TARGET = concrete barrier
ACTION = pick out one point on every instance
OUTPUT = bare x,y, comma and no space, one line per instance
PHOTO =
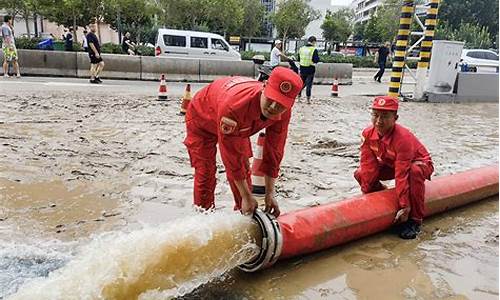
116,66
477,87
327,72
76,64
213,69
471,87
180,69
52,63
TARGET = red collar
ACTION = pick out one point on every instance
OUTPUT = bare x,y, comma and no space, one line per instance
386,139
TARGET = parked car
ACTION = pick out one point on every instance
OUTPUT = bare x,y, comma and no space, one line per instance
479,60
193,44
333,53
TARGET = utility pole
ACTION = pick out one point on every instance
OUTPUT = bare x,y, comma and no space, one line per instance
401,44
425,49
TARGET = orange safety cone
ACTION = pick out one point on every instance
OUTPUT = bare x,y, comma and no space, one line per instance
186,98
335,88
258,181
162,91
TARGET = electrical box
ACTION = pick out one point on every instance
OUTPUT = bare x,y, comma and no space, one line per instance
444,66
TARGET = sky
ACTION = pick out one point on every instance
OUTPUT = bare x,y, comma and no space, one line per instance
341,2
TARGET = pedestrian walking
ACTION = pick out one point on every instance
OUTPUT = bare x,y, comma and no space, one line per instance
94,49
308,58
381,60
9,47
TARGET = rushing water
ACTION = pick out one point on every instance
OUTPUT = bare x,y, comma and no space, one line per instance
158,262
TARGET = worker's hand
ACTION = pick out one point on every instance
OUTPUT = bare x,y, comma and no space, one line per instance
271,205
402,215
248,205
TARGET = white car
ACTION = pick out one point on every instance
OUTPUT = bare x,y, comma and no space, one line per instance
480,60
193,44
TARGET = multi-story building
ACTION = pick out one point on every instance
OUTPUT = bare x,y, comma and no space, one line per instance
363,9
268,28
314,28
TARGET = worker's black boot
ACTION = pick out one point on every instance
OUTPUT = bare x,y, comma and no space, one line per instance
409,230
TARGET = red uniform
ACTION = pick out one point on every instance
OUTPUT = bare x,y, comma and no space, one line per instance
397,155
227,112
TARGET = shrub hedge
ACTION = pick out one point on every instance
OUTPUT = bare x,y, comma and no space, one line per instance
356,61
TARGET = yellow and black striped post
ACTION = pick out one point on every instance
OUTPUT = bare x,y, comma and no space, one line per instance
426,47
401,44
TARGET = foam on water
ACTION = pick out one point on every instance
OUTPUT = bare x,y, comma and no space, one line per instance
21,261
158,262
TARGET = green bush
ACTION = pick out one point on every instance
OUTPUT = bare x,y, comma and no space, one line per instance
27,43
356,61
111,48
145,51
77,47
247,55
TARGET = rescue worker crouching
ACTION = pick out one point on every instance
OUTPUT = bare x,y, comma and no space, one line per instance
390,151
227,112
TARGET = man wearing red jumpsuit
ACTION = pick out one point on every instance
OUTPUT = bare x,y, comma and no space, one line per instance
227,112
390,151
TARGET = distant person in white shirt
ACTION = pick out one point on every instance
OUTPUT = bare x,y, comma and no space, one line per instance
276,54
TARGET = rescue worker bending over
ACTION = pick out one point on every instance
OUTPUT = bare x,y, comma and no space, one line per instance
227,112
390,151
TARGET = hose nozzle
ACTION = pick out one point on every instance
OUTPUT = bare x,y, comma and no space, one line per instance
272,242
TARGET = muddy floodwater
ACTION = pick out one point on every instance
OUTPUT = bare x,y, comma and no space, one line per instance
76,166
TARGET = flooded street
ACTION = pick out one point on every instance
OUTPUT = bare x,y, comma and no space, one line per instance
79,164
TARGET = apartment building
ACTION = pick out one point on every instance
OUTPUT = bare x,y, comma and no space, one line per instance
363,9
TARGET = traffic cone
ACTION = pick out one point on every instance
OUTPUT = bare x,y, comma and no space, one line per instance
162,91
335,88
186,98
258,181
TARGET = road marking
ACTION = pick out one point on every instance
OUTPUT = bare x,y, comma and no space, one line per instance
55,83
74,84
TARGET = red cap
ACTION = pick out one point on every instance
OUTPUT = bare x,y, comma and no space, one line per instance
385,103
283,86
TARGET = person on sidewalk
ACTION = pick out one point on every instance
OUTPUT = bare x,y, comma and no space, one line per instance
226,113
96,62
308,58
9,47
85,45
390,151
128,46
68,40
381,59
277,54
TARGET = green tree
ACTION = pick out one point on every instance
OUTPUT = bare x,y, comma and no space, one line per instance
358,31
25,8
71,12
253,17
372,32
225,16
384,23
337,25
483,13
222,16
292,17
473,35
135,16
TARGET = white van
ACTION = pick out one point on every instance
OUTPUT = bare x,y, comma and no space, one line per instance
193,44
